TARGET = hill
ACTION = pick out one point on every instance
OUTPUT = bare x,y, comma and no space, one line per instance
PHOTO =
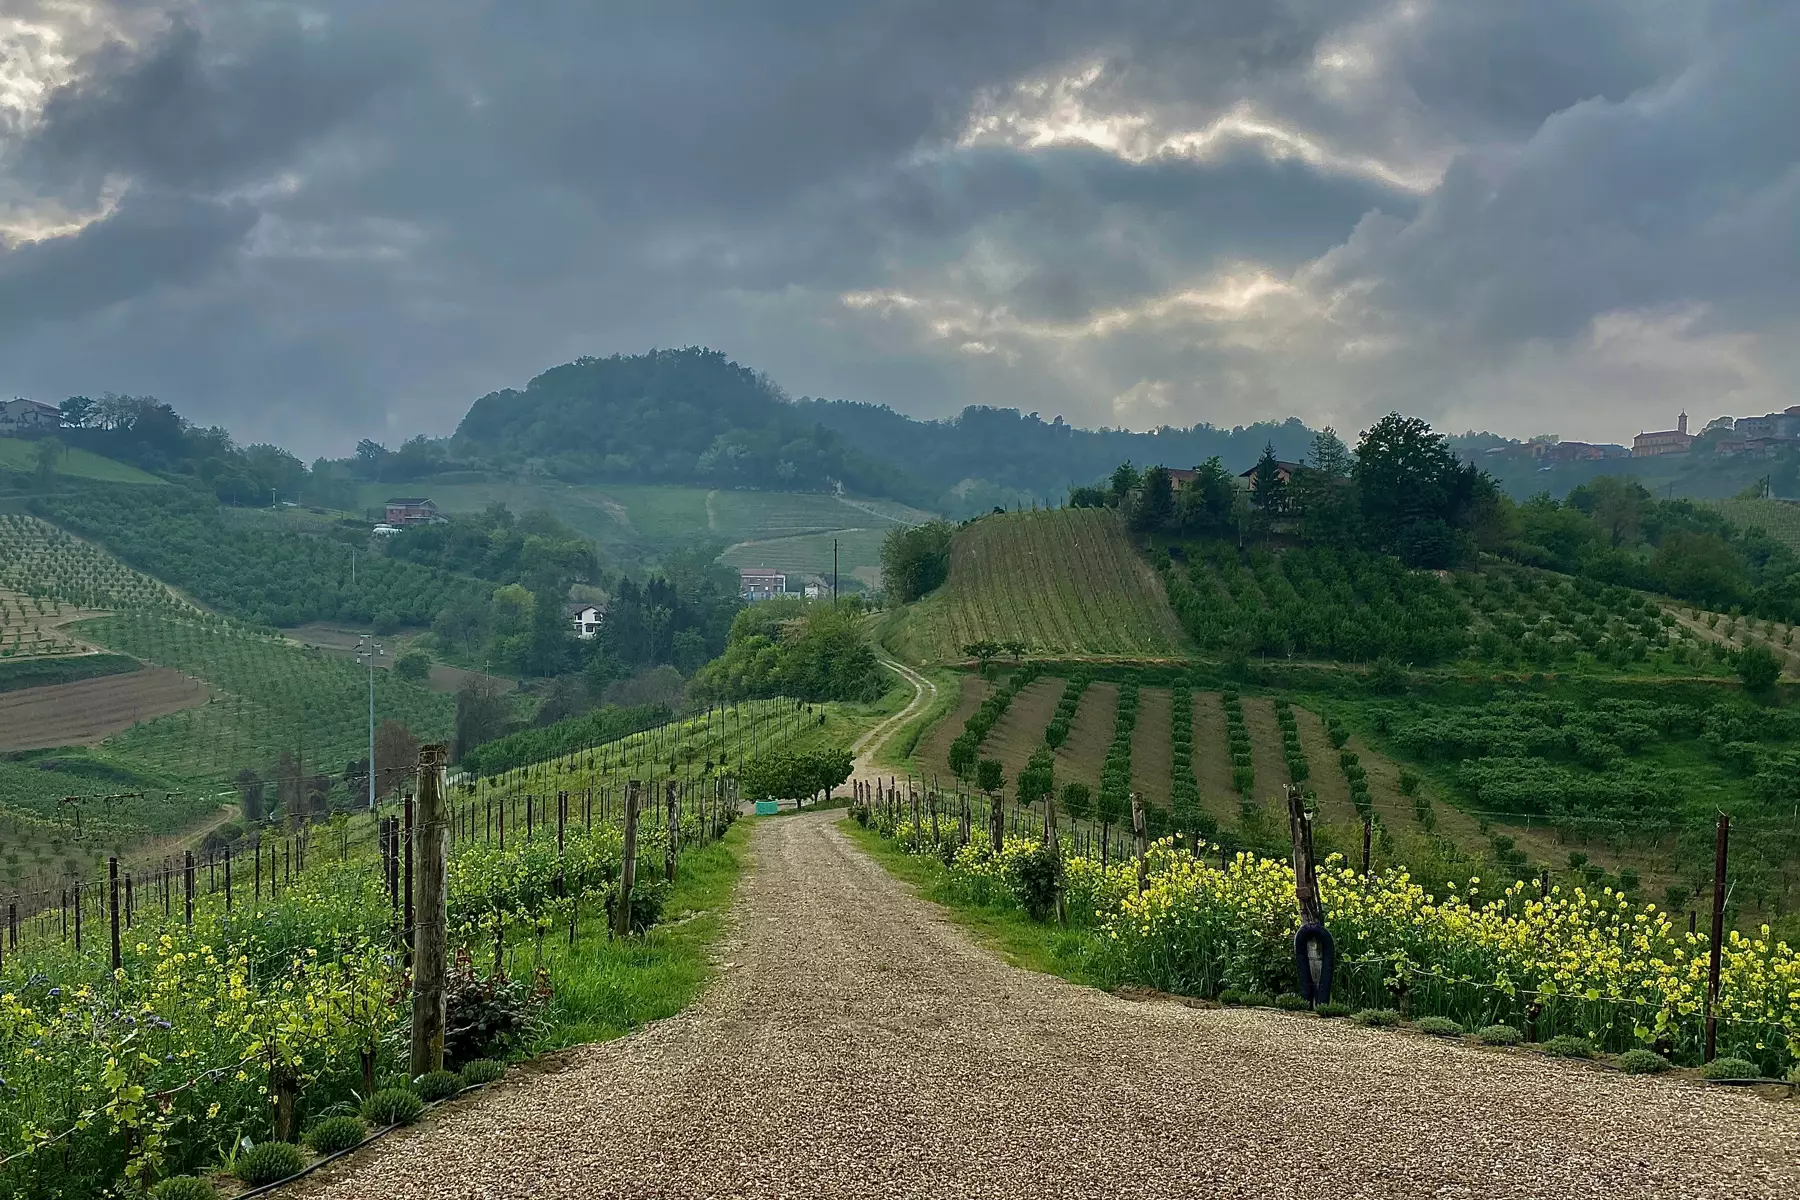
19,454
1066,582
1780,519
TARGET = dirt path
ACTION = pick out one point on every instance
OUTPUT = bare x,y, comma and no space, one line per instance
924,695
857,1043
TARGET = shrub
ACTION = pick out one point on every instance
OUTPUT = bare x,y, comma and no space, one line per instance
268,1163
1569,1045
1291,1002
1033,877
336,1133
1439,1026
437,1085
1333,1009
1642,1062
484,1014
1731,1068
482,1070
1499,1035
184,1187
1376,1017
393,1106
1231,996
1257,1000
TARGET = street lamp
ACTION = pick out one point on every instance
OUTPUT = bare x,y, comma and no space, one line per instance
368,651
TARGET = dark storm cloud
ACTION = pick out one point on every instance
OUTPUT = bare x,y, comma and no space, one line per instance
351,218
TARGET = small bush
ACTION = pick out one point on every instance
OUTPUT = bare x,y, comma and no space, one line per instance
1731,1068
1333,1010
437,1085
184,1187
1292,1002
1376,1017
1499,1035
1231,996
1569,1045
1439,1026
482,1070
268,1163
1257,999
336,1133
392,1106
1642,1062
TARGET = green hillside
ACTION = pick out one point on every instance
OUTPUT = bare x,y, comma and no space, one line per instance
636,524
20,455
1066,582
1780,519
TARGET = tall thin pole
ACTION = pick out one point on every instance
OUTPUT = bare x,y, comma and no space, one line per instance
427,947
1718,937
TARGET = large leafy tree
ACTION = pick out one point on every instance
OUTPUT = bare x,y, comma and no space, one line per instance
1268,490
916,561
1416,499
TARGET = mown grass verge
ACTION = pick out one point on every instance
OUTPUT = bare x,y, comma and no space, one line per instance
605,988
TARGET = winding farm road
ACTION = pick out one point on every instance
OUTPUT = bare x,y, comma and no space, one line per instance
856,1043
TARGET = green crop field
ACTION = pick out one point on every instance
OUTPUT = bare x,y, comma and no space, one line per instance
1065,582
638,523
1780,519
1596,791
19,455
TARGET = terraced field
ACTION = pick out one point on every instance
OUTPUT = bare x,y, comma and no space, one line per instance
1066,582
80,714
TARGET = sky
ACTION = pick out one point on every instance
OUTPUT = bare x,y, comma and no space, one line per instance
339,219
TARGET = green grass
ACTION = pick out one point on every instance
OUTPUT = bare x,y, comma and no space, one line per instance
1033,945
17,454
16,674
604,989
859,554
899,750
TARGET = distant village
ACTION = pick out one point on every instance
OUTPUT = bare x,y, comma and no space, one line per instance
1727,437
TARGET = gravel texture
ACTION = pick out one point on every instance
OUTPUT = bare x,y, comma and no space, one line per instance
857,1043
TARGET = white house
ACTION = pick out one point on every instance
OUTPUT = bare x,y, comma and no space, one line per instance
761,583
814,590
18,416
586,619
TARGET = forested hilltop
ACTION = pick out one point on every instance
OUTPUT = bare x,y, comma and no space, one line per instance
693,416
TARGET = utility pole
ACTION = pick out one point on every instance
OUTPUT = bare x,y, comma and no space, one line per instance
369,651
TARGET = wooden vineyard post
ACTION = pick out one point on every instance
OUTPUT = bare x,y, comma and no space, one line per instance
936,838
78,913
628,861
562,816
112,883
406,849
228,879
917,831
430,917
1306,876
672,793
1368,832
1140,841
187,885
1720,845
1053,839
256,851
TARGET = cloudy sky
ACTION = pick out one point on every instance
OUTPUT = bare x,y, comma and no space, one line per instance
326,220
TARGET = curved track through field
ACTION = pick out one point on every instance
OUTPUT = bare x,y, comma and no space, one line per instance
857,1043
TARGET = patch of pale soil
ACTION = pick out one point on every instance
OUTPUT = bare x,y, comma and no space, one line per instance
858,1043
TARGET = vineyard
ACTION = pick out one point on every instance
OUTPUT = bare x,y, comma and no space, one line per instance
1780,519
49,578
1595,791
1065,582
279,999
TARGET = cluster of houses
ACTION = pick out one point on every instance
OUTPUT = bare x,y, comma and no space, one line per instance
1749,437
28,416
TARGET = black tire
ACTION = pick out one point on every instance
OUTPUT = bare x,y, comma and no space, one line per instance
1307,937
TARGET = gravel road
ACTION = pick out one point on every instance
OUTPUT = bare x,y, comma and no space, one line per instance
856,1043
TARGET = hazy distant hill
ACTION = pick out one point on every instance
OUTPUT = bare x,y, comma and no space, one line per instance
693,416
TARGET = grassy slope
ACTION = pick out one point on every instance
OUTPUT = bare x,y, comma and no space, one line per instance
641,522
1066,582
19,455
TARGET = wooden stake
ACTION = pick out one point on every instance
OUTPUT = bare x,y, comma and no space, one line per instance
428,923
628,862
1720,845
406,850
112,880
1140,841
674,806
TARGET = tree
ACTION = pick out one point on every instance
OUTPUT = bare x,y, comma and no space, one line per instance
1015,648
916,561
1154,508
1758,667
1038,780
49,450
990,776
1205,504
1329,456
77,412
1124,478
1417,499
250,796
1076,799
480,715
963,753
1268,490
983,652
413,665
1616,506
290,787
